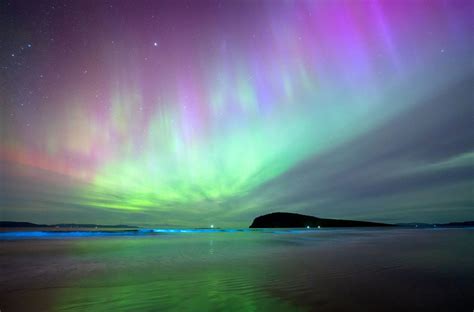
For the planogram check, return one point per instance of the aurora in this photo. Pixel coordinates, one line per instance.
(209, 112)
(236, 155)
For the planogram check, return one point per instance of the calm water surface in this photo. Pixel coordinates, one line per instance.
(323, 270)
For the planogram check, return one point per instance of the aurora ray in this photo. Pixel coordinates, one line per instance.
(214, 112)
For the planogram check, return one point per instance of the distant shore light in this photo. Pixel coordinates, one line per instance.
(212, 226)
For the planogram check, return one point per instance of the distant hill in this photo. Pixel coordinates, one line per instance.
(21, 224)
(14, 224)
(441, 225)
(457, 224)
(74, 225)
(295, 220)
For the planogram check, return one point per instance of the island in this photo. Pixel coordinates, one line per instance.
(296, 220)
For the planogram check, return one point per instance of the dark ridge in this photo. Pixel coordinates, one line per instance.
(441, 225)
(456, 224)
(9, 224)
(74, 225)
(295, 220)
(14, 224)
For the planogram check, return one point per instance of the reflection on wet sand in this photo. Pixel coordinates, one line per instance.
(332, 270)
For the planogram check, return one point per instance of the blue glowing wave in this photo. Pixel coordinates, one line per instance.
(141, 232)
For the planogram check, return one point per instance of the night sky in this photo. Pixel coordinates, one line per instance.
(199, 112)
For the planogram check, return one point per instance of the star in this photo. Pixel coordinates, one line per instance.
(155, 44)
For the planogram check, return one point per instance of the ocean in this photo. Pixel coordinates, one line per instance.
(376, 269)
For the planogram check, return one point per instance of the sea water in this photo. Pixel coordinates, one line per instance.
(377, 269)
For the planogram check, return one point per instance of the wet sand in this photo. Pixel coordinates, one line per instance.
(327, 270)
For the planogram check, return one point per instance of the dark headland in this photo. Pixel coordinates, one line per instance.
(296, 220)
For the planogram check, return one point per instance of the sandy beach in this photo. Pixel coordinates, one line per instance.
(328, 270)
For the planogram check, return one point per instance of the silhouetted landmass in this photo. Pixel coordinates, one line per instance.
(441, 225)
(14, 224)
(457, 224)
(415, 224)
(74, 225)
(21, 224)
(295, 220)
